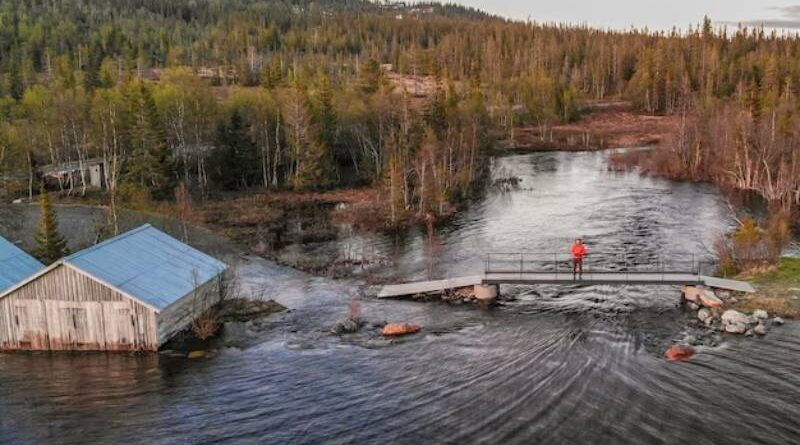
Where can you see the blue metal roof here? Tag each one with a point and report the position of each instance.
(148, 265)
(15, 265)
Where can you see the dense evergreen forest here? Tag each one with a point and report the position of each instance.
(208, 96)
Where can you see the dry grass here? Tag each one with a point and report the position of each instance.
(775, 306)
(778, 289)
(206, 325)
(605, 125)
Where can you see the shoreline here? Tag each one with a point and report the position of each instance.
(777, 290)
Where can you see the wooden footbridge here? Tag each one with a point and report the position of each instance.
(598, 269)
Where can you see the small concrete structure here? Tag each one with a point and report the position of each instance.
(487, 293)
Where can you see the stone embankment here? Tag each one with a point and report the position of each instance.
(710, 310)
(715, 319)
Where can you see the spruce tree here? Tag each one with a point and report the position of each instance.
(51, 246)
(234, 159)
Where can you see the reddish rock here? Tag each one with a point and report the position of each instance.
(679, 353)
(398, 329)
(692, 294)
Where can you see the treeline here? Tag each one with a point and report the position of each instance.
(230, 95)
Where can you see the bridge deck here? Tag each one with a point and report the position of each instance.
(426, 287)
(593, 278)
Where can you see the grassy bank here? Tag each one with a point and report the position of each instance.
(778, 290)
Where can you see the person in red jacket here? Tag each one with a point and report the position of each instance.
(578, 253)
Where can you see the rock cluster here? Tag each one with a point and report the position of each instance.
(709, 307)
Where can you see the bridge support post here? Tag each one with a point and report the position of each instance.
(487, 293)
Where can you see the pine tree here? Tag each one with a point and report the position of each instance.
(148, 166)
(324, 111)
(370, 76)
(51, 246)
(235, 157)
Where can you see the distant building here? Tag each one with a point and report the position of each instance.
(75, 173)
(132, 292)
(423, 11)
(15, 265)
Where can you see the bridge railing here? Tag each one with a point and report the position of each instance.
(599, 262)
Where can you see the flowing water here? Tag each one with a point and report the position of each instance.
(553, 364)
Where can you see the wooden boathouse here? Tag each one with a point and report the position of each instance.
(129, 293)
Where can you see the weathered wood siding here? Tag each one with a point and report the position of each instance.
(66, 310)
(180, 314)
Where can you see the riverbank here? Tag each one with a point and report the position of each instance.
(605, 124)
(778, 290)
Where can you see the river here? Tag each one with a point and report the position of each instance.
(561, 365)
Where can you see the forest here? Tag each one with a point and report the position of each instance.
(208, 97)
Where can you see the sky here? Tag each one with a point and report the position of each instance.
(654, 14)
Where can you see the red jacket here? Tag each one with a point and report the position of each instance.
(578, 251)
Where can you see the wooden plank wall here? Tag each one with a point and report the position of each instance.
(66, 310)
(180, 315)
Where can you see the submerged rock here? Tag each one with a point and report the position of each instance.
(399, 329)
(196, 354)
(244, 309)
(346, 326)
(679, 353)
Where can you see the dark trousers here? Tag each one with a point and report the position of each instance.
(577, 267)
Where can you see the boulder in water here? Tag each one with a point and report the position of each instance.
(346, 326)
(703, 314)
(778, 321)
(760, 314)
(736, 328)
(735, 322)
(760, 329)
(399, 329)
(709, 299)
(679, 353)
(732, 316)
